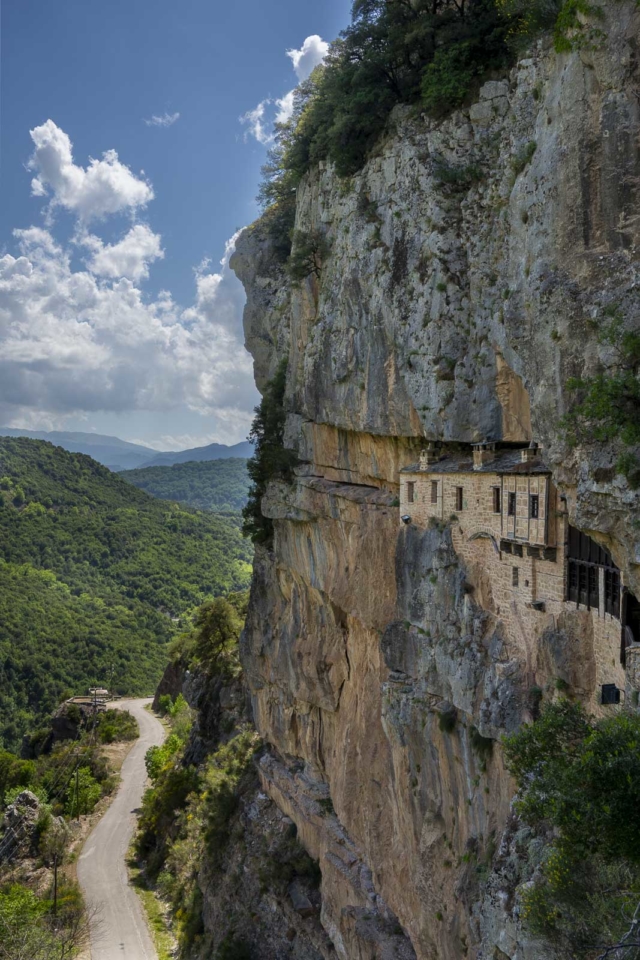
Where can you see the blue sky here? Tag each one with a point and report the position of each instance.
(115, 312)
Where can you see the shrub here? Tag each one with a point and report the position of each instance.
(607, 405)
(233, 948)
(483, 746)
(457, 178)
(156, 758)
(165, 702)
(117, 725)
(523, 157)
(447, 720)
(159, 806)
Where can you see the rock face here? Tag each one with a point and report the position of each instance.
(467, 262)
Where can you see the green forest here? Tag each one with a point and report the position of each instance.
(94, 577)
(217, 485)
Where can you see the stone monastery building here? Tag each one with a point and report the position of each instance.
(530, 567)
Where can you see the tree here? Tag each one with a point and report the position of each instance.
(28, 930)
(308, 253)
(272, 460)
(217, 630)
(581, 778)
(83, 793)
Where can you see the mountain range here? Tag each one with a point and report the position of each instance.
(119, 454)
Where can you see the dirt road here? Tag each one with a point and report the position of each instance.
(120, 931)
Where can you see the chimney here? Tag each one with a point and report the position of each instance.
(483, 453)
(529, 453)
(430, 454)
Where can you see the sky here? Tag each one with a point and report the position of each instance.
(131, 139)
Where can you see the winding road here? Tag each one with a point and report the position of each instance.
(120, 930)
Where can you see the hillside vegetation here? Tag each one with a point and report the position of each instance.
(93, 573)
(217, 485)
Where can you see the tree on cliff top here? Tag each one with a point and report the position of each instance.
(433, 54)
(272, 460)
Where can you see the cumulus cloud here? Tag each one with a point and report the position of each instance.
(285, 107)
(256, 124)
(260, 121)
(309, 56)
(129, 257)
(104, 187)
(74, 342)
(164, 120)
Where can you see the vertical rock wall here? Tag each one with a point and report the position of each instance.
(452, 306)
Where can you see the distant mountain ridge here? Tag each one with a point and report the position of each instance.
(214, 451)
(117, 454)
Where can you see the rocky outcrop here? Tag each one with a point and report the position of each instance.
(467, 262)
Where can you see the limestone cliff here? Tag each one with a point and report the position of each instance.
(465, 262)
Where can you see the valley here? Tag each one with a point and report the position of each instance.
(97, 578)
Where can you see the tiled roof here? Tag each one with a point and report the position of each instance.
(504, 461)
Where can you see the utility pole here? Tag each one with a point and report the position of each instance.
(55, 884)
(95, 710)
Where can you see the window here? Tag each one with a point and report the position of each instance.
(411, 490)
(585, 560)
(534, 506)
(511, 505)
(459, 496)
(496, 499)
(434, 491)
(515, 575)
(612, 592)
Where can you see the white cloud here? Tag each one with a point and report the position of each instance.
(129, 258)
(105, 186)
(164, 120)
(255, 121)
(285, 107)
(309, 56)
(261, 120)
(73, 343)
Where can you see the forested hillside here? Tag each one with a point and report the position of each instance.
(93, 573)
(218, 485)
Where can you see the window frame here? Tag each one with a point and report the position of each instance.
(534, 506)
(459, 498)
(411, 491)
(434, 491)
(497, 499)
(512, 503)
